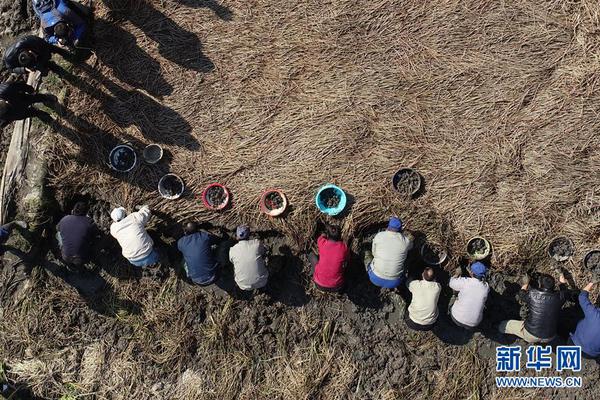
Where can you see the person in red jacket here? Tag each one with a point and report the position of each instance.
(329, 264)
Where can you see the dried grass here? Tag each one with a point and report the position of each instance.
(495, 104)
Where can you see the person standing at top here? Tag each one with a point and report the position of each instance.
(17, 100)
(386, 262)
(544, 305)
(130, 231)
(74, 235)
(62, 21)
(328, 266)
(423, 308)
(467, 310)
(32, 53)
(199, 258)
(248, 259)
(586, 334)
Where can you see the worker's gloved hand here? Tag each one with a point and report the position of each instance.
(562, 279)
(138, 207)
(525, 279)
(457, 272)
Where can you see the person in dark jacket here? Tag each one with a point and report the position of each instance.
(63, 22)
(197, 248)
(587, 333)
(16, 100)
(74, 235)
(544, 304)
(32, 53)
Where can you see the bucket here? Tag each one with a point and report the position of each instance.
(561, 248)
(591, 261)
(330, 199)
(478, 248)
(407, 181)
(152, 153)
(122, 158)
(273, 202)
(433, 254)
(215, 196)
(171, 186)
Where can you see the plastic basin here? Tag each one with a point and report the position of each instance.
(324, 193)
(122, 158)
(268, 206)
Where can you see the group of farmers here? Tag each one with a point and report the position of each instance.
(205, 255)
(64, 26)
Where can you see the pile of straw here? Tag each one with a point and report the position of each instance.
(495, 103)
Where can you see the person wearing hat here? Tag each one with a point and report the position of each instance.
(544, 304)
(248, 259)
(586, 334)
(63, 22)
(467, 310)
(74, 234)
(130, 231)
(32, 53)
(16, 103)
(200, 262)
(385, 262)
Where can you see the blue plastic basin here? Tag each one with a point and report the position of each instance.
(323, 207)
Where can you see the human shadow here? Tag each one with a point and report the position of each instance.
(287, 283)
(174, 43)
(220, 10)
(118, 49)
(158, 123)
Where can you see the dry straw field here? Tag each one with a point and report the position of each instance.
(496, 103)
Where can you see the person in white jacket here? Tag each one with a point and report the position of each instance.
(130, 231)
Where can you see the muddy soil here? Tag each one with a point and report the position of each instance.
(330, 198)
(273, 201)
(142, 314)
(215, 196)
(476, 247)
(561, 248)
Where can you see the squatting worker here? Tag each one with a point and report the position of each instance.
(63, 22)
(467, 310)
(587, 333)
(423, 308)
(385, 262)
(248, 259)
(199, 259)
(32, 53)
(16, 103)
(74, 235)
(130, 231)
(544, 305)
(6, 229)
(329, 265)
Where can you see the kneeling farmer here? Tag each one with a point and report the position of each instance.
(467, 310)
(385, 265)
(544, 305)
(248, 259)
(74, 235)
(329, 265)
(130, 232)
(199, 258)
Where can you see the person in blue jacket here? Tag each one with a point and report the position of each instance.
(62, 21)
(586, 334)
